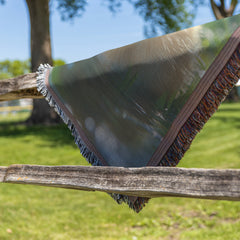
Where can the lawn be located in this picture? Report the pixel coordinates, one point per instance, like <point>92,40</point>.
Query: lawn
<point>34,212</point>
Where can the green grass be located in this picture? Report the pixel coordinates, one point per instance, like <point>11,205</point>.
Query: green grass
<point>33,212</point>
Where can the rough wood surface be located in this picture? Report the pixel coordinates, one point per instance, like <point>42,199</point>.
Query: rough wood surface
<point>24,86</point>
<point>147,182</point>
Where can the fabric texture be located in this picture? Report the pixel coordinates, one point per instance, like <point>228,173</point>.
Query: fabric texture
<point>142,104</point>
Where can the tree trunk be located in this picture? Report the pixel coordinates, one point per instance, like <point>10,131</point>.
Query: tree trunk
<point>40,53</point>
<point>220,11</point>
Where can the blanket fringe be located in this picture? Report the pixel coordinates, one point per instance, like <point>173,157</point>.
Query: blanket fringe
<point>137,205</point>
<point>217,92</point>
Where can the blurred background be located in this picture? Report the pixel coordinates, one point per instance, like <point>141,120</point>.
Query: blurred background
<point>64,31</point>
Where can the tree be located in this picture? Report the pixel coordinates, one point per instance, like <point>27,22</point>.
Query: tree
<point>40,53</point>
<point>170,15</point>
<point>221,11</point>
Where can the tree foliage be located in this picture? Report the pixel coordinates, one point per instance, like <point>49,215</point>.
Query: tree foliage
<point>9,69</point>
<point>164,15</point>
<point>70,9</point>
<point>159,15</point>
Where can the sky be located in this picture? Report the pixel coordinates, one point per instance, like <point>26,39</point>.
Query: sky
<point>96,31</point>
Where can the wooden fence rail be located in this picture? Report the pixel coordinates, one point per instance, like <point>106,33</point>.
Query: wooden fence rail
<point>147,181</point>
<point>24,86</point>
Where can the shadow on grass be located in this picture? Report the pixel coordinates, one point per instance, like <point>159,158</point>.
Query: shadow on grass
<point>229,114</point>
<point>230,118</point>
<point>57,135</point>
<point>229,110</point>
<point>60,135</point>
<point>233,120</point>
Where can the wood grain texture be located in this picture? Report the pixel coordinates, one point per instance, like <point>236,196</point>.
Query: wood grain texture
<point>24,86</point>
<point>146,182</point>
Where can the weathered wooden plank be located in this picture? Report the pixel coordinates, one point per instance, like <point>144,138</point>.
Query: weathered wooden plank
<point>147,182</point>
<point>24,86</point>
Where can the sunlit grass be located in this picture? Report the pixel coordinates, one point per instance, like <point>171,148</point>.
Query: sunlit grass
<point>32,212</point>
<point>217,145</point>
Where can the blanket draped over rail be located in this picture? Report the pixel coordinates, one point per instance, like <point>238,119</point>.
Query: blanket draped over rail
<point>143,104</point>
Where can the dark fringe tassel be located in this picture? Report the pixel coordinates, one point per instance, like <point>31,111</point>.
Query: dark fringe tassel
<point>217,92</point>
<point>90,156</point>
<point>137,205</point>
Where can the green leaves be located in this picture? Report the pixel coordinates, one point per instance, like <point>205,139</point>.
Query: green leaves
<point>14,68</point>
<point>9,69</point>
<point>70,9</point>
<point>166,15</point>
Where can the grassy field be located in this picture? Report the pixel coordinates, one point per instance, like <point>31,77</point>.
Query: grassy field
<point>31,212</point>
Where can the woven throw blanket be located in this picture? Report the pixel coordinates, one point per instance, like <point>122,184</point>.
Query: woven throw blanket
<point>142,104</point>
